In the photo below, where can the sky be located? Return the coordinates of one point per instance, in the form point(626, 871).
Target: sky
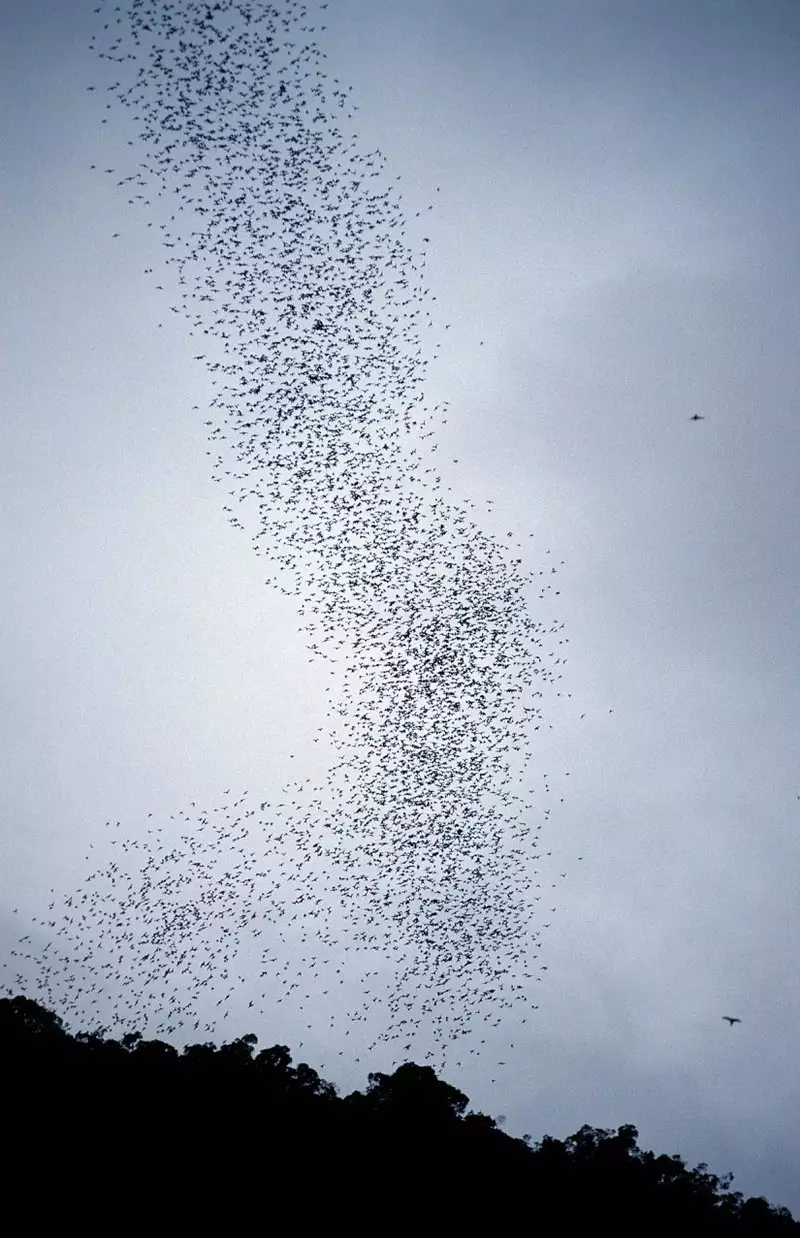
point(614, 246)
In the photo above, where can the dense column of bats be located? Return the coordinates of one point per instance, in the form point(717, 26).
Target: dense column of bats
point(404, 888)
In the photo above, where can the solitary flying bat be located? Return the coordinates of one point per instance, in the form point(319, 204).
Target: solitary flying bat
point(731, 1020)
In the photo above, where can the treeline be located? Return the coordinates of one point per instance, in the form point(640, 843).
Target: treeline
point(133, 1136)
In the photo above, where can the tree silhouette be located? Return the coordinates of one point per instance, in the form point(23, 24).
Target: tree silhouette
point(131, 1134)
point(415, 1092)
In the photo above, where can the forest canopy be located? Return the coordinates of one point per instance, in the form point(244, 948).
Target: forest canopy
point(131, 1131)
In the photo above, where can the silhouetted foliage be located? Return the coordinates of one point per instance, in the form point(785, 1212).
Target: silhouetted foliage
point(133, 1134)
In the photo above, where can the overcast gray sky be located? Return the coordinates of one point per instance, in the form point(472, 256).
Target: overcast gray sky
point(617, 221)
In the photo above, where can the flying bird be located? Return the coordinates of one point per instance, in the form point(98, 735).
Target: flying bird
point(730, 1019)
point(696, 417)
